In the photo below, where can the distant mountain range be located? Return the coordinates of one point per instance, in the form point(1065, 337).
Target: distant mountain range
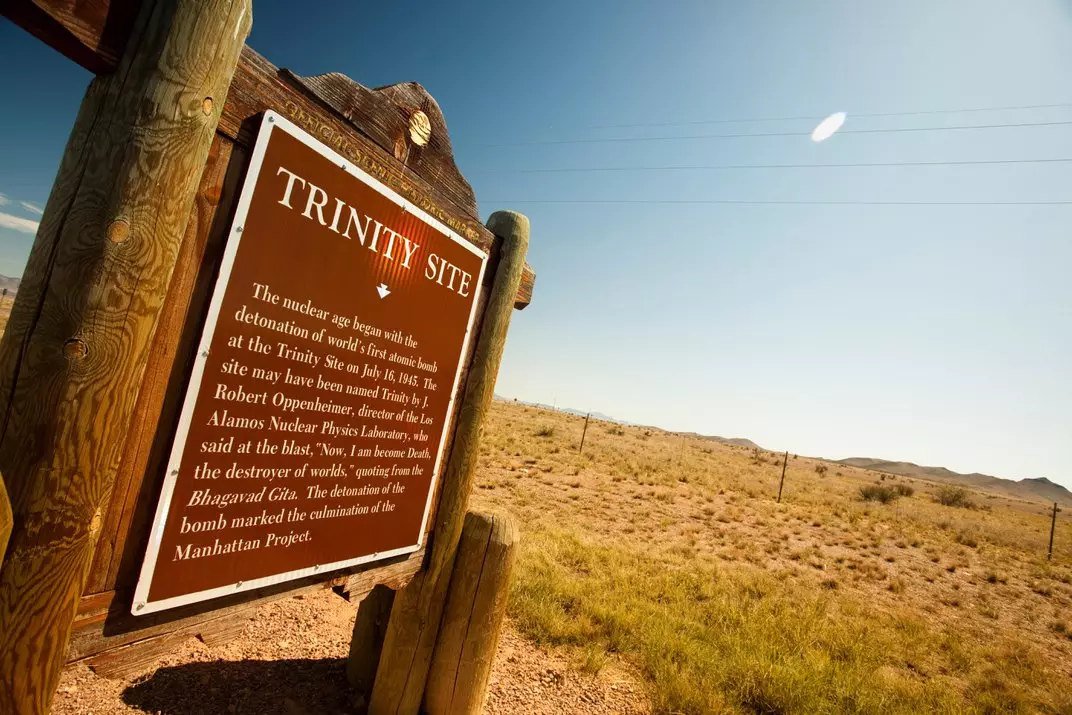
point(739, 441)
point(11, 284)
point(568, 410)
point(1031, 488)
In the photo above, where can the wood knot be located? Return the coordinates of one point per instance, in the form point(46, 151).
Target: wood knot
point(118, 230)
point(420, 128)
point(206, 106)
point(75, 349)
point(95, 524)
point(401, 148)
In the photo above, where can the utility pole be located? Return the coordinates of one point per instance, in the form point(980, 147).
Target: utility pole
point(584, 432)
point(1053, 527)
point(785, 463)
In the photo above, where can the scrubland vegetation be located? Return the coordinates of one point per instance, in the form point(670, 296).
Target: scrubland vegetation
point(860, 592)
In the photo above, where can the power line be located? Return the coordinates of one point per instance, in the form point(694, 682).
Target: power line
point(699, 167)
point(609, 140)
point(812, 117)
point(762, 202)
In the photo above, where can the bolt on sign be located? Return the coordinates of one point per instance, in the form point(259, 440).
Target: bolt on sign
point(315, 419)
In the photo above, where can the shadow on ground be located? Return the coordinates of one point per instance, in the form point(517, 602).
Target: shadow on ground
point(246, 687)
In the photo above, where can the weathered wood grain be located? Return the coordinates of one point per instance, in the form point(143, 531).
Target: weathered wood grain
point(415, 616)
point(128, 517)
point(104, 257)
point(128, 660)
point(394, 576)
point(366, 643)
point(104, 621)
point(384, 116)
point(92, 33)
point(473, 616)
point(224, 630)
point(5, 519)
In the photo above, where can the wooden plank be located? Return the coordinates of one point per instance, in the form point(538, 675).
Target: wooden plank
point(92, 33)
point(472, 620)
point(394, 576)
point(129, 515)
point(130, 660)
point(106, 254)
point(104, 621)
point(224, 630)
point(258, 85)
point(415, 617)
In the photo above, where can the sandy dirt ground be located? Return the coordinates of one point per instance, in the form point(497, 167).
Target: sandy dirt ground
point(291, 660)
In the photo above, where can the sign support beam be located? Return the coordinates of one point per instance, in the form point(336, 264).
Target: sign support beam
point(418, 608)
point(72, 358)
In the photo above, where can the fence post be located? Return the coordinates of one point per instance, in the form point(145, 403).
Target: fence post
point(1053, 527)
point(472, 618)
point(785, 463)
point(584, 432)
point(418, 608)
point(366, 643)
point(72, 358)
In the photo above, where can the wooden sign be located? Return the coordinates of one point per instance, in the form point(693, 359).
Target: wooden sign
point(315, 419)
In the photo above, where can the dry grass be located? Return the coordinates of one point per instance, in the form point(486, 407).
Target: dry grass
point(671, 553)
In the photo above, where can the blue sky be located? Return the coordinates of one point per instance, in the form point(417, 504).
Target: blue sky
point(936, 334)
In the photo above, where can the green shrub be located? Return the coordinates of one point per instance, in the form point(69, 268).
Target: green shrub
point(903, 490)
point(879, 493)
point(954, 496)
point(546, 431)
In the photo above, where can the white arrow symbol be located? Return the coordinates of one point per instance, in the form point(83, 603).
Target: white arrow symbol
point(382, 290)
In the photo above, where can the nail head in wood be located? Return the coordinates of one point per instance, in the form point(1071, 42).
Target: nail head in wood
point(206, 106)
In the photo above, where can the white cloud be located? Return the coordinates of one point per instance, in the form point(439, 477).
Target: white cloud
point(18, 223)
point(32, 207)
point(3, 199)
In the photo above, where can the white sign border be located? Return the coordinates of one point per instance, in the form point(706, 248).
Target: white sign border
point(271, 121)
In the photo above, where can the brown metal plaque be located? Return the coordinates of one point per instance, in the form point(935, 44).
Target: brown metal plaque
point(314, 423)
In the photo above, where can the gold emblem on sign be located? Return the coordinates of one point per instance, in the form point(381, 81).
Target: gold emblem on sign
point(420, 128)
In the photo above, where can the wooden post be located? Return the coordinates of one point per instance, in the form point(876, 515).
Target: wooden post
point(473, 616)
point(72, 357)
point(414, 624)
point(785, 463)
point(1053, 528)
point(5, 519)
point(584, 432)
point(366, 644)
